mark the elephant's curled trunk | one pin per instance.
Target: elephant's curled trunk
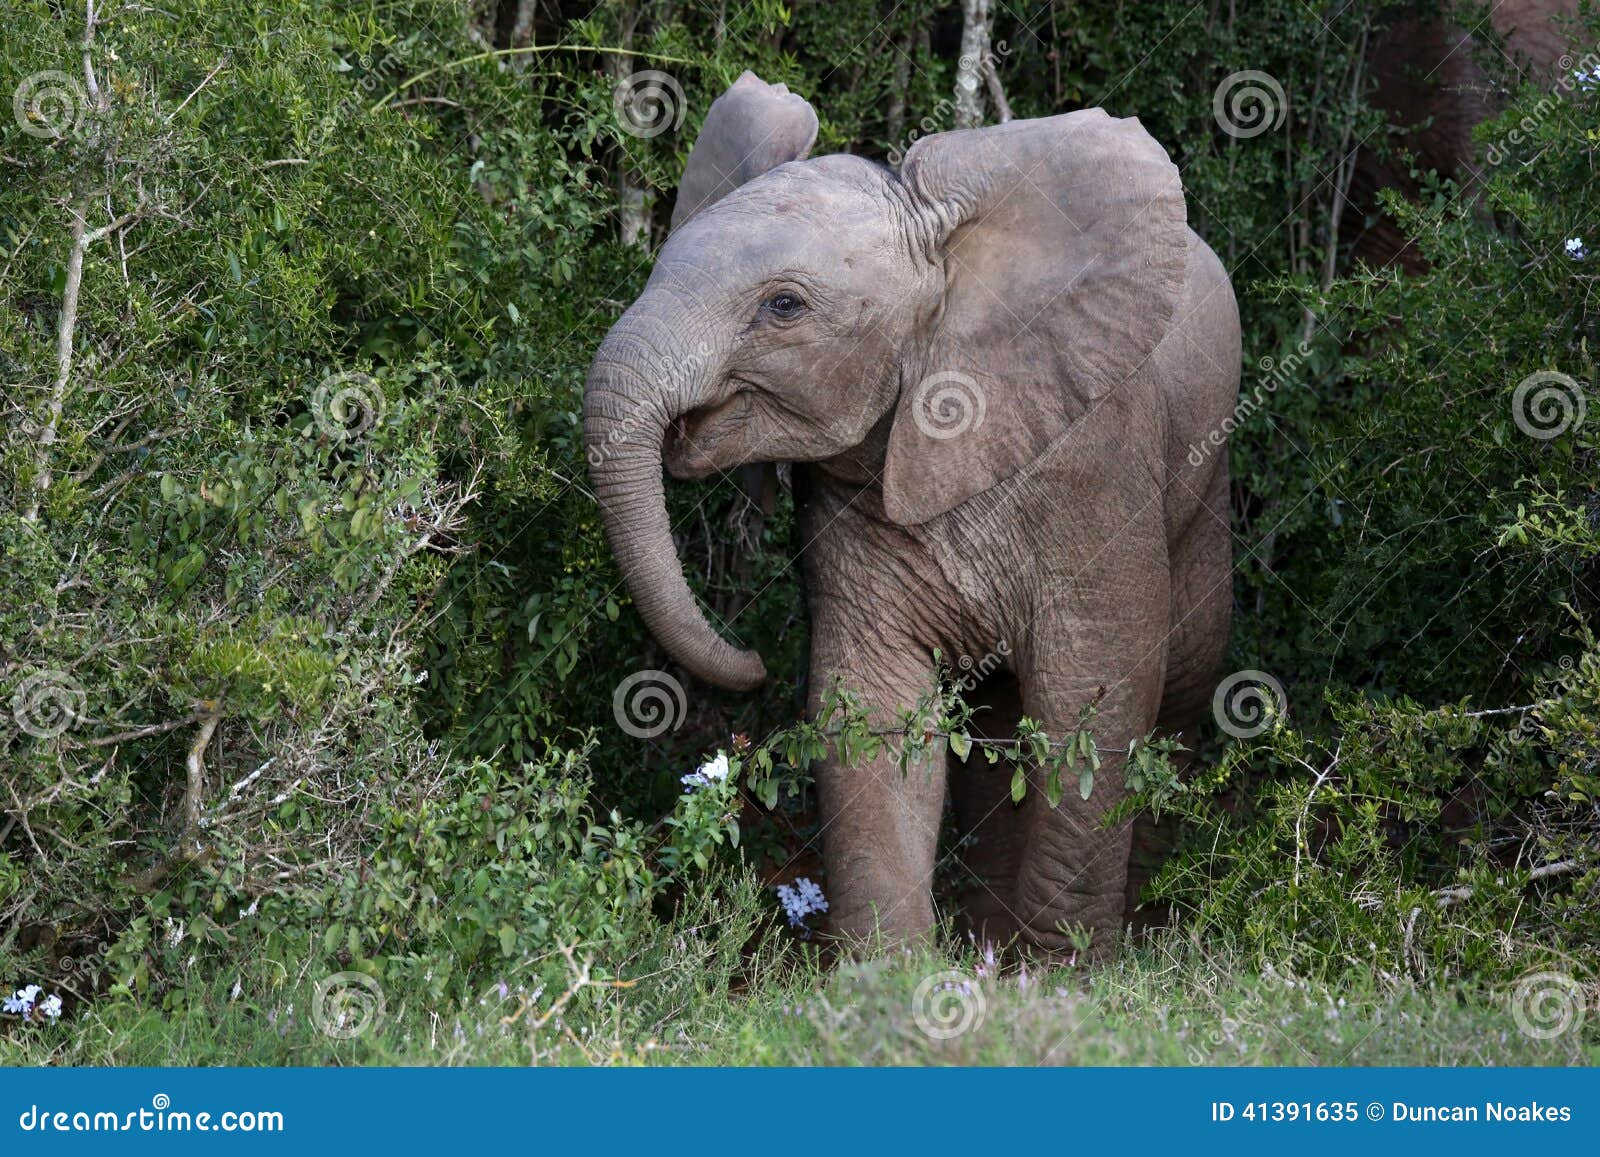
(625, 422)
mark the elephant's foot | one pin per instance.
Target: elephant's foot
(877, 928)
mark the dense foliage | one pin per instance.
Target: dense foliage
(308, 635)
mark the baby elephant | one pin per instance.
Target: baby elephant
(1006, 369)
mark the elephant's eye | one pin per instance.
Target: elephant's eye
(784, 305)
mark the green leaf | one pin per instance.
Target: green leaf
(1086, 783)
(508, 940)
(960, 743)
(1019, 785)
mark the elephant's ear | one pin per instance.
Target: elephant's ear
(753, 127)
(1064, 243)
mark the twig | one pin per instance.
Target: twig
(143, 732)
(1445, 897)
(220, 65)
(532, 49)
(991, 78)
(195, 767)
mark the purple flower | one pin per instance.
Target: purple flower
(802, 899)
(30, 999)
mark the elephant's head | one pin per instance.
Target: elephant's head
(937, 330)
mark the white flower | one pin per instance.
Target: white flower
(15, 1005)
(51, 1007)
(30, 994)
(1576, 248)
(715, 771)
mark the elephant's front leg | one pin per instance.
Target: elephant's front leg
(880, 825)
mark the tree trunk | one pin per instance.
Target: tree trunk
(970, 66)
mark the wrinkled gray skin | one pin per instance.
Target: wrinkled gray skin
(1072, 537)
(1430, 82)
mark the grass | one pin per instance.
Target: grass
(690, 1001)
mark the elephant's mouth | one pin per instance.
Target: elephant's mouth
(692, 441)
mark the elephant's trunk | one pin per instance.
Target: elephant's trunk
(625, 420)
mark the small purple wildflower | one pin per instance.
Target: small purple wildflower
(30, 1000)
(801, 899)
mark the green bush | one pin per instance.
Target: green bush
(308, 612)
(1430, 799)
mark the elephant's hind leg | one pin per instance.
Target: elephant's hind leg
(1202, 608)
